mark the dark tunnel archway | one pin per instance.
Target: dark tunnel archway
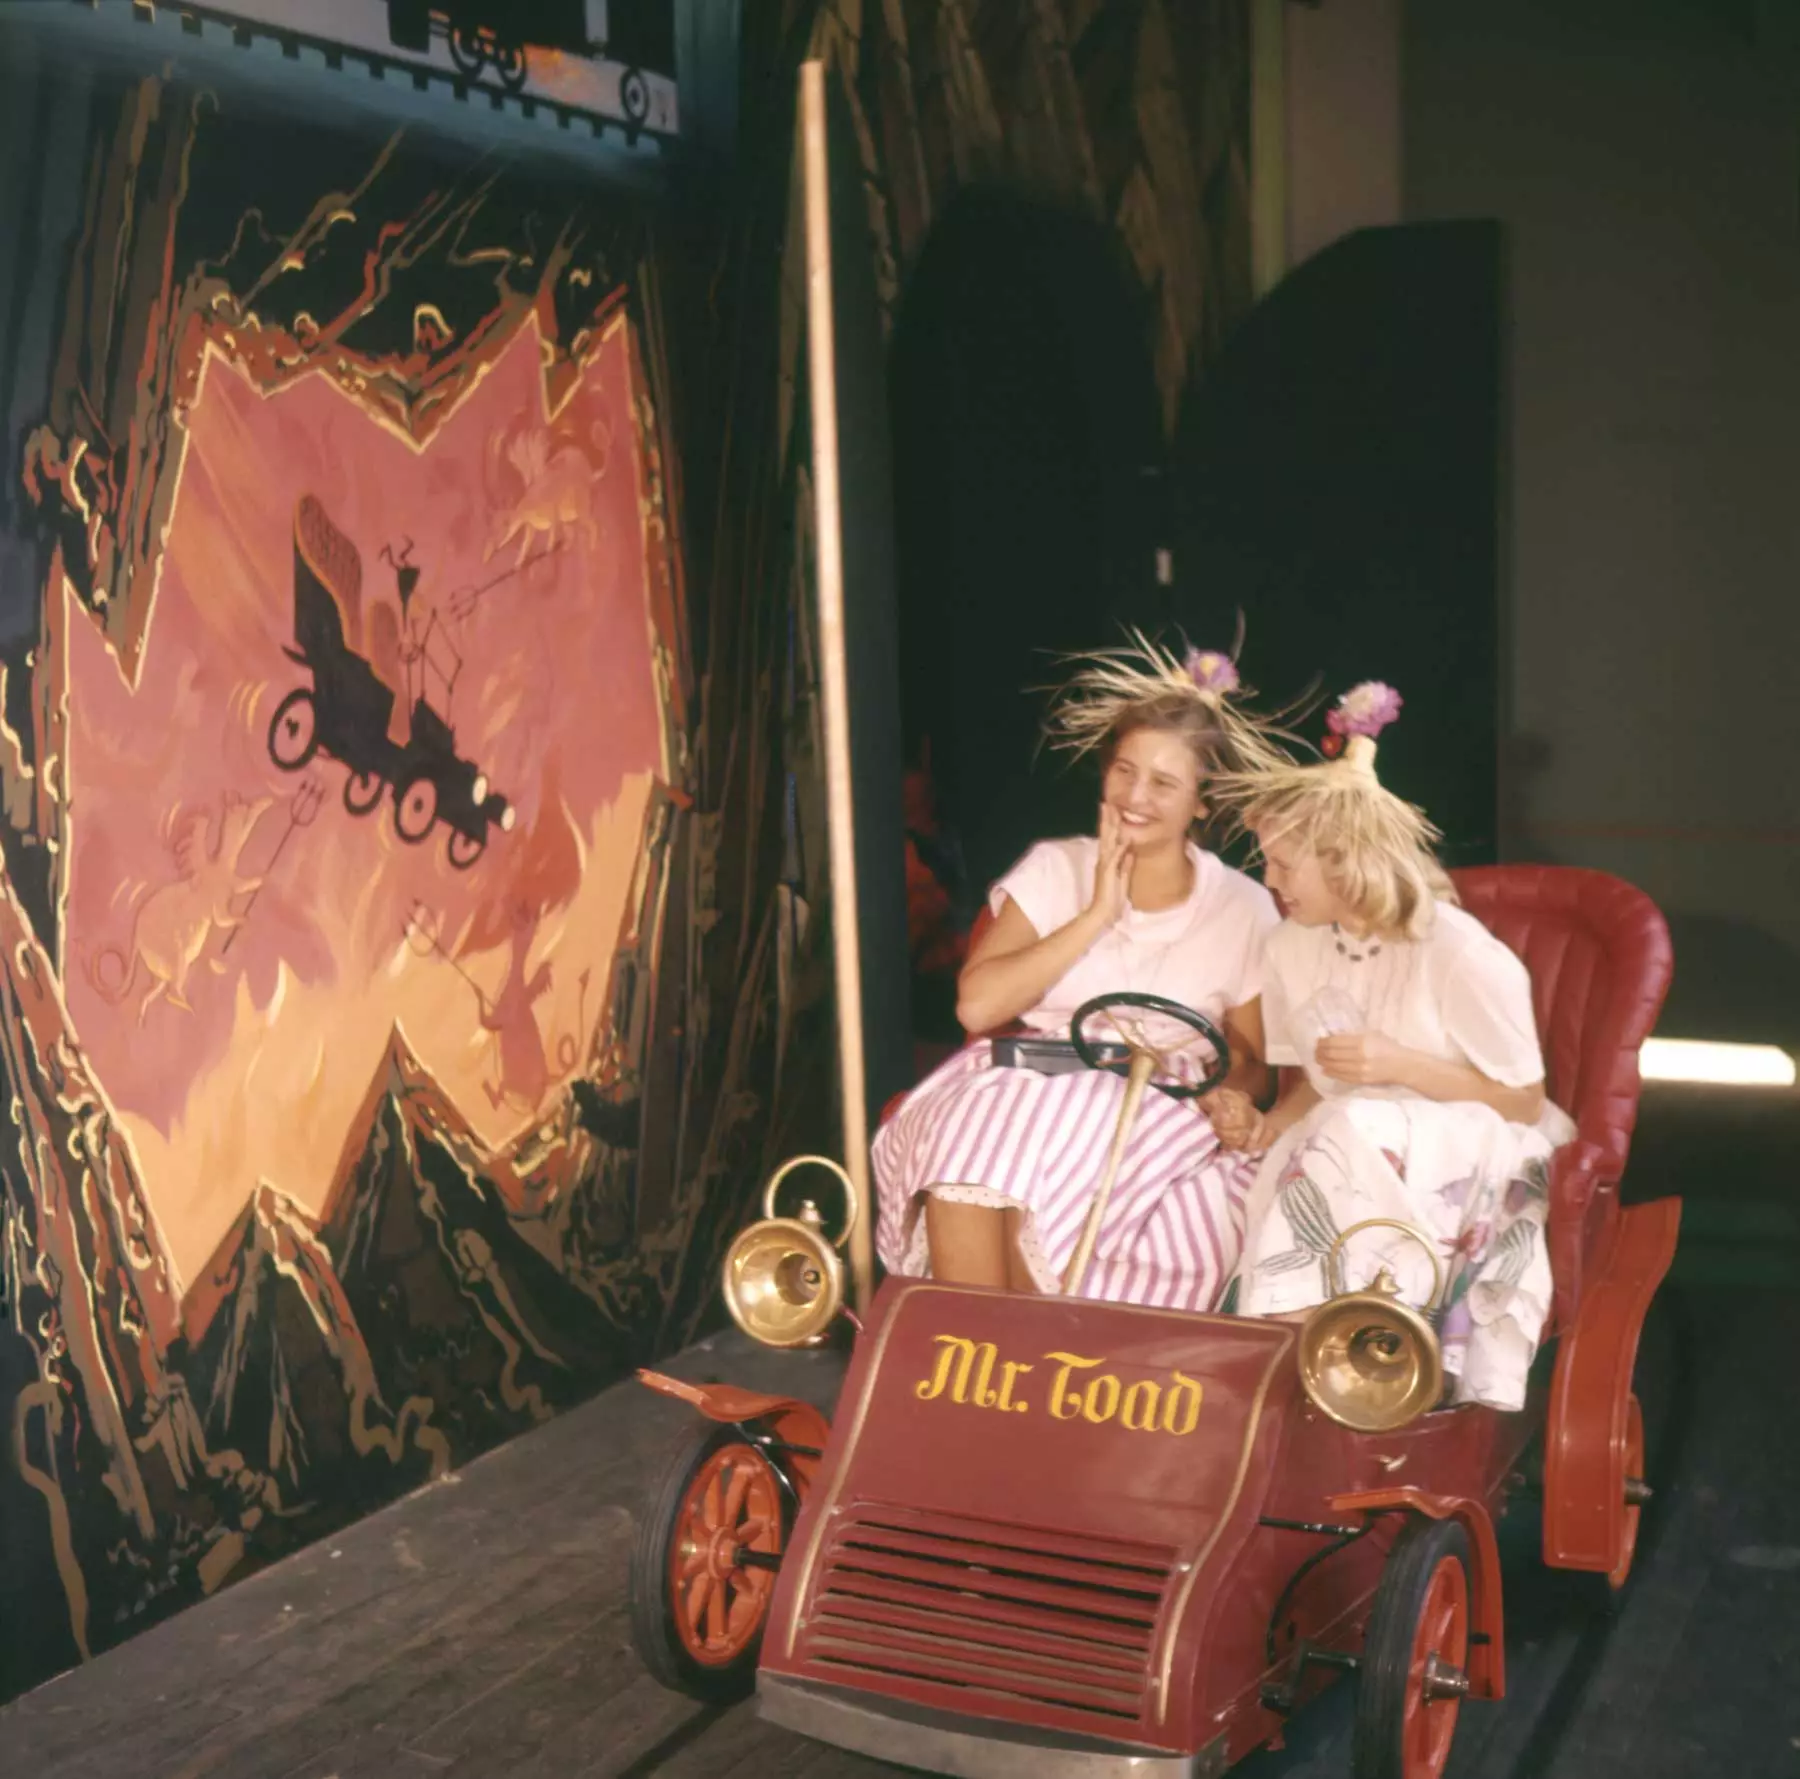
(1028, 477)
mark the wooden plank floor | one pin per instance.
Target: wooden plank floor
(479, 1627)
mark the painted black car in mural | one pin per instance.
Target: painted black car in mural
(347, 711)
(483, 34)
(495, 34)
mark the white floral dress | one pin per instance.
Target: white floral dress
(1473, 1182)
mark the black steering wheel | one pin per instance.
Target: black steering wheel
(1119, 1063)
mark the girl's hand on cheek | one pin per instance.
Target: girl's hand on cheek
(1112, 872)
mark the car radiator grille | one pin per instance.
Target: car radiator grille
(1044, 1618)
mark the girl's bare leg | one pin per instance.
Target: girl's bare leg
(1018, 1274)
(969, 1243)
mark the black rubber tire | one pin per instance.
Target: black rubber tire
(653, 1632)
(1378, 1745)
(509, 65)
(412, 828)
(634, 97)
(363, 802)
(300, 699)
(468, 53)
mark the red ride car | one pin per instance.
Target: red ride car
(1054, 1536)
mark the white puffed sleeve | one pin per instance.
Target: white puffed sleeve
(1050, 885)
(1484, 997)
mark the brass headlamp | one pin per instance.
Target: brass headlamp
(784, 1279)
(1369, 1361)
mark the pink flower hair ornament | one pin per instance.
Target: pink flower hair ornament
(1211, 671)
(1366, 709)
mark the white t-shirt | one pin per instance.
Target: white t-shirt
(1205, 952)
(1458, 993)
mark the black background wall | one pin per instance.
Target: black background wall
(1337, 479)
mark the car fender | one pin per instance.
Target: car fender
(798, 1431)
(1587, 1429)
(1487, 1619)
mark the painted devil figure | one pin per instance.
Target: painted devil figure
(524, 1070)
(175, 921)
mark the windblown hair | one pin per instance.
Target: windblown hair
(1376, 850)
(1143, 685)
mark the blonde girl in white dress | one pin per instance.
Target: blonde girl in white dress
(1421, 1091)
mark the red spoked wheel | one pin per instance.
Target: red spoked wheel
(1636, 1493)
(697, 1606)
(1442, 1640)
(1414, 1672)
(1603, 1593)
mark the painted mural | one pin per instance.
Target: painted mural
(403, 731)
(414, 941)
(344, 771)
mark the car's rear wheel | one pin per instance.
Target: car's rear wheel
(698, 1610)
(1636, 1493)
(294, 731)
(1603, 1593)
(1414, 1671)
(415, 809)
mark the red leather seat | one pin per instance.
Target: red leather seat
(1600, 960)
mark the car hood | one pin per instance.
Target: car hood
(1059, 1480)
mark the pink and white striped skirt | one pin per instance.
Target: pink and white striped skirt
(1015, 1138)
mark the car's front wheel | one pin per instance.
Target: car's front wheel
(362, 791)
(1414, 1671)
(703, 1565)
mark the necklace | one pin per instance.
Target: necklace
(1341, 940)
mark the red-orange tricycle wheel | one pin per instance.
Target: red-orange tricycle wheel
(1414, 1671)
(703, 1566)
(1635, 1493)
